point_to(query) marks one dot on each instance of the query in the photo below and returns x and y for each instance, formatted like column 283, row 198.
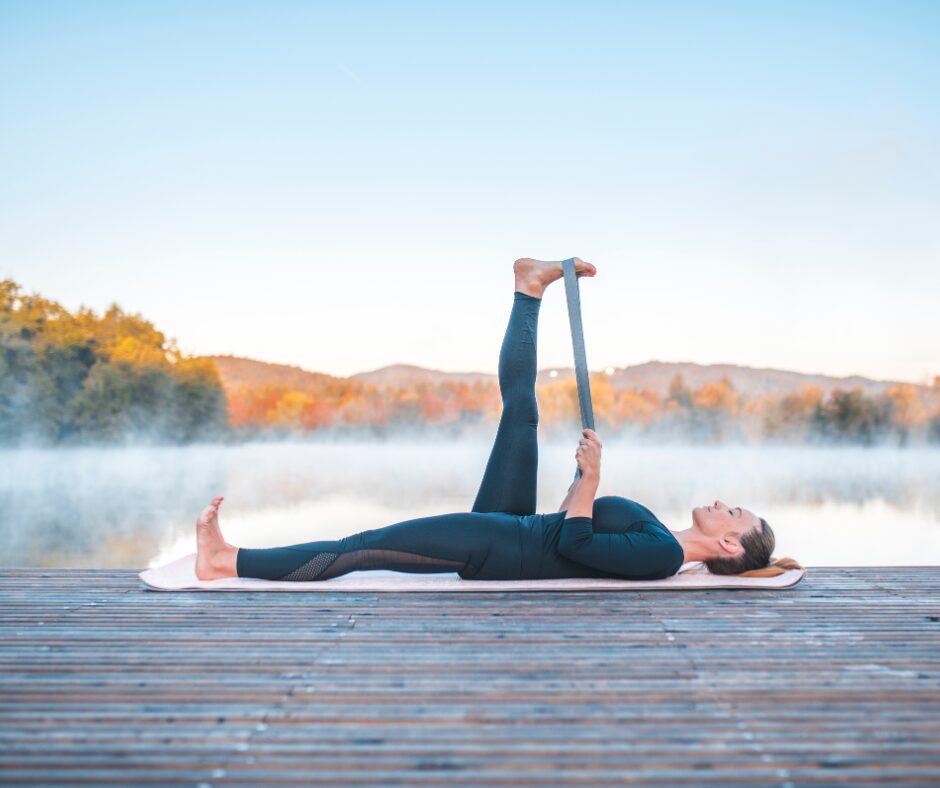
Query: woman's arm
column 630, row 554
column 579, row 502
column 580, row 499
column 567, row 502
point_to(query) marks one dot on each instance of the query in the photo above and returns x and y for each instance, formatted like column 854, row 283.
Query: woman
column 502, row 538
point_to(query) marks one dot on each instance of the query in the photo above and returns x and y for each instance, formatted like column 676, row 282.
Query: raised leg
column 509, row 482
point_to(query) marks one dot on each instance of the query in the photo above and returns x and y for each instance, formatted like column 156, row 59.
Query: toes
column 583, row 268
column 588, row 270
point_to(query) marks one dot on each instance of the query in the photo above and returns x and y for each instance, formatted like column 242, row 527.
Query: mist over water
column 136, row 507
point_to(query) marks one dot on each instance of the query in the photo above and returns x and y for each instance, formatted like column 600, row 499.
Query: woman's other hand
column 588, row 454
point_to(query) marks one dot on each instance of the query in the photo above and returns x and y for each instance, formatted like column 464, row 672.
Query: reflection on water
column 134, row 508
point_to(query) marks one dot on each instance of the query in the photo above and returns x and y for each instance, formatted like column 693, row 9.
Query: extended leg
column 460, row 542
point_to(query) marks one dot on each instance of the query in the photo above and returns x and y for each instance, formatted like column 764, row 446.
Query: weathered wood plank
column 836, row 681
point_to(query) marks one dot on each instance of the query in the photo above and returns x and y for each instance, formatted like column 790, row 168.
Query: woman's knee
column 521, row 407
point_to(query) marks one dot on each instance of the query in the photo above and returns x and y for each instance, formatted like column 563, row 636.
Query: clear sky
column 345, row 185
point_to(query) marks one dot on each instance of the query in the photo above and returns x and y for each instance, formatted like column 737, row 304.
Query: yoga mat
column 573, row 295
column 180, row 575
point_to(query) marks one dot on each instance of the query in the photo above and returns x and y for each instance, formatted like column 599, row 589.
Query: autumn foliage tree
column 83, row 378
column 790, row 417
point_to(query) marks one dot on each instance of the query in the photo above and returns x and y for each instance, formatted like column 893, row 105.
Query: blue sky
column 345, row 185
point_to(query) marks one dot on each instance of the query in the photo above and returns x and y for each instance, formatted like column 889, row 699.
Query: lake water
column 135, row 508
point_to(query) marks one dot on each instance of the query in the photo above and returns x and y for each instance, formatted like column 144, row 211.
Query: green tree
column 852, row 417
column 85, row 378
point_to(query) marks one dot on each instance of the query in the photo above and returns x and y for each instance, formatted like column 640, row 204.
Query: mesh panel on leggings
column 313, row 568
column 325, row 565
column 396, row 560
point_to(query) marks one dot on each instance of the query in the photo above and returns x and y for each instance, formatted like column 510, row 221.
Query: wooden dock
column 835, row 681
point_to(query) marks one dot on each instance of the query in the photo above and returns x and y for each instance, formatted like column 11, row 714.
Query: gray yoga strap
column 573, row 294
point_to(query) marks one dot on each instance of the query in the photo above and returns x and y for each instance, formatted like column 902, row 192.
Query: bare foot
column 533, row 276
column 214, row 556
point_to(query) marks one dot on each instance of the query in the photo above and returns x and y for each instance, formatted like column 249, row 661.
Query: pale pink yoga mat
column 180, row 575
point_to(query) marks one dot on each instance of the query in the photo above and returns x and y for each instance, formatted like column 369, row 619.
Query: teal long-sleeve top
column 622, row 539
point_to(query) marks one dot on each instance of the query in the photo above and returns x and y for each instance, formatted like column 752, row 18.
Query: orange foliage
column 909, row 411
column 716, row 407
column 604, row 396
column 319, row 413
column 790, row 415
column 719, row 396
column 558, row 401
column 252, row 407
column 637, row 407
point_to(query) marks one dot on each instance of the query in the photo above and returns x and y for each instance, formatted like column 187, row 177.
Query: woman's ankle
column 226, row 560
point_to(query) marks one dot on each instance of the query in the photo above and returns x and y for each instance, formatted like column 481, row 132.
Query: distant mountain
column 407, row 373
column 236, row 372
column 653, row 375
column 656, row 376
column 750, row 381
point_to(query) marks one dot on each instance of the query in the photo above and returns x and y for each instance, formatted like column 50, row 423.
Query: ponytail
column 774, row 568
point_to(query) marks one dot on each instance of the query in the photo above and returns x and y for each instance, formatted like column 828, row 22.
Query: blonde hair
column 756, row 559
column 775, row 567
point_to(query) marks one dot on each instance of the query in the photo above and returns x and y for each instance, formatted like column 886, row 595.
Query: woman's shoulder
column 667, row 553
column 626, row 507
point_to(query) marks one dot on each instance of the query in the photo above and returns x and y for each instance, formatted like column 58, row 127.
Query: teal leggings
column 461, row 542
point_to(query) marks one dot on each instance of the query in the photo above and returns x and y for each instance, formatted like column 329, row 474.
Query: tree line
column 114, row 378
column 86, row 378
column 715, row 413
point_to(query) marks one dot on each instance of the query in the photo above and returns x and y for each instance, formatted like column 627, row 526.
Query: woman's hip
column 485, row 542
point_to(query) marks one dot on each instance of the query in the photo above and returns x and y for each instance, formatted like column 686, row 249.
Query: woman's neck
column 692, row 546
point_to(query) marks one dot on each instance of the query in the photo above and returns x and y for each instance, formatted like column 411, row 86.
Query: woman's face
column 716, row 519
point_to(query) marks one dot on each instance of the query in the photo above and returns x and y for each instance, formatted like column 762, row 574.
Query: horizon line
column 927, row 384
